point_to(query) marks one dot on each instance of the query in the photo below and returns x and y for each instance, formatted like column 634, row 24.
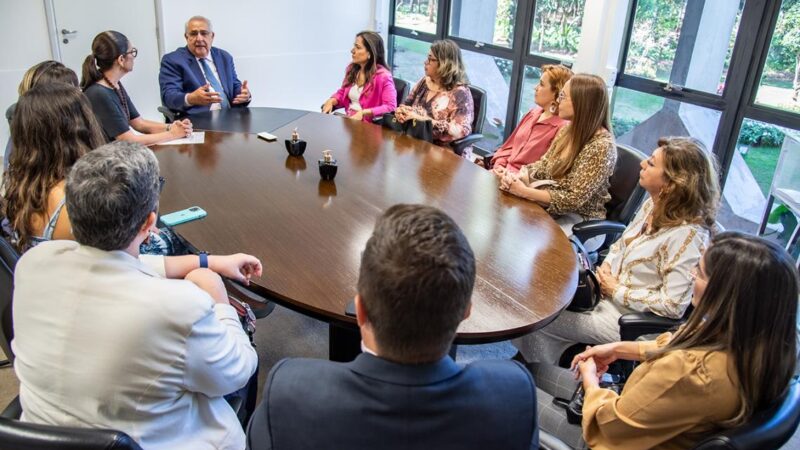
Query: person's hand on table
column 357, row 116
column 402, row 113
column 180, row 128
column 499, row 171
column 244, row 95
column 328, row 106
column 513, row 185
column 204, row 96
column 240, row 267
column 608, row 283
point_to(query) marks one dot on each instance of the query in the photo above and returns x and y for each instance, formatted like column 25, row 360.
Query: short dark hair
column 416, row 279
column 110, row 192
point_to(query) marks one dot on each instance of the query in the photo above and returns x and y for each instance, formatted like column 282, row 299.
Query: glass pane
column 530, row 79
column 494, row 76
column 408, row 60
column 767, row 162
column 487, row 21
column 639, row 119
column 557, row 28
column 686, row 43
column 780, row 81
column 417, row 15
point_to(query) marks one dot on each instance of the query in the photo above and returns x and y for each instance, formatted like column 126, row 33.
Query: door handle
column 65, row 31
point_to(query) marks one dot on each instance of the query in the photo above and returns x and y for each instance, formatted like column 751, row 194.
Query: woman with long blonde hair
column 649, row 267
column 580, row 160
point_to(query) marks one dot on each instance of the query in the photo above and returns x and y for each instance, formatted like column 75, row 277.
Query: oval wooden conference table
column 309, row 233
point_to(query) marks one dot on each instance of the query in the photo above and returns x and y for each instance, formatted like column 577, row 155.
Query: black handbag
column 588, row 293
column 575, row 406
column 418, row 129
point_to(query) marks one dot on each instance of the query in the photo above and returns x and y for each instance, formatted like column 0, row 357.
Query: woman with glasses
column 536, row 131
column 734, row 357
column 649, row 268
column 576, row 168
column 442, row 95
column 368, row 88
column 112, row 58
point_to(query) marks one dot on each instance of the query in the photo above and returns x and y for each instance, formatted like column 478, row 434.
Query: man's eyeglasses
column 133, row 52
column 161, row 181
column 195, row 33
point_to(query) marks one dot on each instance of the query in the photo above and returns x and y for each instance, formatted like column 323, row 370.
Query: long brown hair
column 47, row 72
column 590, row 106
column 52, row 127
column 749, row 311
column 106, row 48
column 451, row 65
column 691, row 192
column 377, row 57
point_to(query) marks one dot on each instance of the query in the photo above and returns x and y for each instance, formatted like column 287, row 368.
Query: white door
column 75, row 23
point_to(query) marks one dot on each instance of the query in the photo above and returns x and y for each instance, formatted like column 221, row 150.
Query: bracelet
column 167, row 129
column 203, row 260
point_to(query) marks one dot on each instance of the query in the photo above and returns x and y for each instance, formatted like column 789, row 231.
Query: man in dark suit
column 403, row 391
column 199, row 77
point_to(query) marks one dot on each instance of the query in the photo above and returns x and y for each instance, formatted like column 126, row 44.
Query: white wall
column 602, row 32
column 293, row 53
column 25, row 42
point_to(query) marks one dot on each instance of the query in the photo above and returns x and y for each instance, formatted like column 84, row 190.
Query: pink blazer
column 529, row 141
column 379, row 95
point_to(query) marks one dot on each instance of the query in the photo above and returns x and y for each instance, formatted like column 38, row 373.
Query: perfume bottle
column 295, row 146
column 327, row 166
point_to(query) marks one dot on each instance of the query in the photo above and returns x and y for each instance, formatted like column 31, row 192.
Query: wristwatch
column 203, row 260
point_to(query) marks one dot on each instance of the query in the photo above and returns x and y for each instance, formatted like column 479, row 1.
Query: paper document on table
column 541, row 183
column 197, row 137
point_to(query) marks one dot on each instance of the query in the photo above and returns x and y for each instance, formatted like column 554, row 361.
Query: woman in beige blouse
column 648, row 268
column 579, row 161
column 735, row 356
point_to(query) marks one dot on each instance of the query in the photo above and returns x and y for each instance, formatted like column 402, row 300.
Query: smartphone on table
column 183, row 216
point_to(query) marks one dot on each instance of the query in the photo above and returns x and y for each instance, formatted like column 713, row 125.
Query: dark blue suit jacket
column 180, row 74
column 372, row 403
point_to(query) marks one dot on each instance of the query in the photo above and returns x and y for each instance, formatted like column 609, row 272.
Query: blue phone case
column 183, row 216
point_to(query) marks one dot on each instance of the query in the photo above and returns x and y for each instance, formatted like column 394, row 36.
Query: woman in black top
column 111, row 59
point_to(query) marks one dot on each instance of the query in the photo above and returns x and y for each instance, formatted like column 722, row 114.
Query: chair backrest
column 15, row 435
column 402, row 87
column 626, row 194
column 479, row 108
column 766, row 429
column 8, row 261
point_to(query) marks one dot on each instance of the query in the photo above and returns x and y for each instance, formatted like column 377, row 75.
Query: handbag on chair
column 588, row 293
column 418, row 129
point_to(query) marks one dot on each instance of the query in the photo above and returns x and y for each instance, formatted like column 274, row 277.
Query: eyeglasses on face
column 194, row 33
column 161, row 181
column 431, row 59
column 562, row 96
column 133, row 52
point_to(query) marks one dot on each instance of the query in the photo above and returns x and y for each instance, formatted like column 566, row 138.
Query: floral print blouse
column 584, row 189
column 451, row 110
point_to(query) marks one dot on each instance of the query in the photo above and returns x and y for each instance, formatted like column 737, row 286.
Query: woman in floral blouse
column 442, row 95
column 649, row 267
column 578, row 163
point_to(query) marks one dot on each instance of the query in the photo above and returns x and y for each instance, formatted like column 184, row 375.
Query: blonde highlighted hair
column 558, row 76
column 451, row 66
column 590, row 114
column 691, row 192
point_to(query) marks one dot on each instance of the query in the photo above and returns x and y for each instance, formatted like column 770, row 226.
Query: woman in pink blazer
column 368, row 88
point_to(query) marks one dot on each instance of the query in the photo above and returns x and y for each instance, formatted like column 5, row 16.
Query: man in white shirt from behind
column 108, row 338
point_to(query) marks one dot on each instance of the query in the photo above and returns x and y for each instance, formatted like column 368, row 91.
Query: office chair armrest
column 591, row 228
column 377, row 120
column 13, row 410
column 549, row 442
column 633, row 325
column 460, row 144
column 169, row 114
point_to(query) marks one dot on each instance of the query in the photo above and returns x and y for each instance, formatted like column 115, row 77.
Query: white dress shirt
column 105, row 340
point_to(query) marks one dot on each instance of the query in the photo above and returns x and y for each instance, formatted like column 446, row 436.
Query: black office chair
column 170, row 115
column 402, row 87
column 16, row 435
column 626, row 198
column 8, row 261
column 478, row 118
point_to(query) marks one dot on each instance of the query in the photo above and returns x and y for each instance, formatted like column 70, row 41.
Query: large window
column 504, row 42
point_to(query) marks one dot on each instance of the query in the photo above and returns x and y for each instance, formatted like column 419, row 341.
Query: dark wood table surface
column 310, row 233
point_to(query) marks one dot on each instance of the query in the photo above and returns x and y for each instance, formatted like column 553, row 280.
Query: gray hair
column 193, row 18
column 110, row 192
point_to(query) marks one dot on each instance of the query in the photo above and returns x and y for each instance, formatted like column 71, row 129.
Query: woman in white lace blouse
column 649, row 267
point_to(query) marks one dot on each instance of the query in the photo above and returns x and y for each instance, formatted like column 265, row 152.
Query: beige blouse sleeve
column 667, row 400
column 589, row 173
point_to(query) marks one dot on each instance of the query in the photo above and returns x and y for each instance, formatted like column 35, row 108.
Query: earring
column 553, row 108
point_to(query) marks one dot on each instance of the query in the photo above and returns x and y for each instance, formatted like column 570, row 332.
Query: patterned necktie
column 214, row 82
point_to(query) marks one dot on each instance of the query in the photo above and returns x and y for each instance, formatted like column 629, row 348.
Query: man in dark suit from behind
column 403, row 391
column 200, row 77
